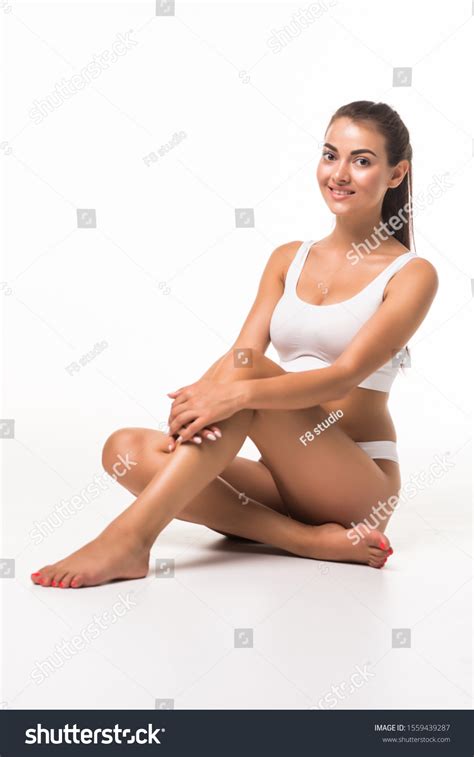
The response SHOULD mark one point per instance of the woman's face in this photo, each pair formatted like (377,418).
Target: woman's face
(366,175)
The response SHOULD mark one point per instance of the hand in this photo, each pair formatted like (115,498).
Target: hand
(212,433)
(198,405)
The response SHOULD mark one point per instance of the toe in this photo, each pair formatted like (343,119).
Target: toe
(66,581)
(35,577)
(58,577)
(46,577)
(77,582)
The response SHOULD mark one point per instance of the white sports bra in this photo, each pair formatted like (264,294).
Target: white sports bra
(310,336)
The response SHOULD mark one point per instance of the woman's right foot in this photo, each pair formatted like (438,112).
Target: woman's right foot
(332,541)
(114,554)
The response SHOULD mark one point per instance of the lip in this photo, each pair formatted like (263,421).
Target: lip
(340,197)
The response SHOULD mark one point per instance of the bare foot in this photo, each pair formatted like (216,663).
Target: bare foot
(332,541)
(115,553)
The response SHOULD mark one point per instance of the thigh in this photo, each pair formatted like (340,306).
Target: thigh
(324,479)
(253,479)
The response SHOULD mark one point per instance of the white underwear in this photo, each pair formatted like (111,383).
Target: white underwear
(384,450)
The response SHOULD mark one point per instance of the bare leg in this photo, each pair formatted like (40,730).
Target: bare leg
(122,550)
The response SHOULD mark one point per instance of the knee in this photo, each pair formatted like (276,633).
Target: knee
(121,442)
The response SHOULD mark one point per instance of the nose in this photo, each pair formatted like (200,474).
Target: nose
(341,176)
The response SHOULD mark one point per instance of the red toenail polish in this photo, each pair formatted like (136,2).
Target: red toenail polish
(61,585)
(53,583)
(36,574)
(73,583)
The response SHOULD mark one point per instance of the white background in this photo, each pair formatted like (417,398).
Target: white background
(167,279)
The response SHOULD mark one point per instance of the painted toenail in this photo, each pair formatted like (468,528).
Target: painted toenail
(74,583)
(53,583)
(61,585)
(36,574)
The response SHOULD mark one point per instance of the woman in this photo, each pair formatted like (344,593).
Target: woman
(340,313)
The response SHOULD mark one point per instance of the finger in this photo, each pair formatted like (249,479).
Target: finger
(187,433)
(216,430)
(182,420)
(208,433)
(176,392)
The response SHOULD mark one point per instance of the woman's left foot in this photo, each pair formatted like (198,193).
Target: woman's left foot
(114,554)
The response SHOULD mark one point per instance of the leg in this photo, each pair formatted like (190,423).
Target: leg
(121,549)
(216,505)
(124,551)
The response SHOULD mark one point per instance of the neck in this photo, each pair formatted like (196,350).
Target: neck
(350,231)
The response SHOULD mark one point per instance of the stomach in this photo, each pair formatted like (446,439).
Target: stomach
(366,416)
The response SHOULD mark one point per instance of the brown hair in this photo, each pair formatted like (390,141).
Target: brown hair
(397,144)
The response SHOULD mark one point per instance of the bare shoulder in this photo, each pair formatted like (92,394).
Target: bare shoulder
(418,276)
(284,254)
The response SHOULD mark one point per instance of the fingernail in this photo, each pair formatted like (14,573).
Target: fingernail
(217,433)
(197,439)
(170,447)
(179,439)
(211,436)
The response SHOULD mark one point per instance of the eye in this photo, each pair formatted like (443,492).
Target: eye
(367,162)
(327,153)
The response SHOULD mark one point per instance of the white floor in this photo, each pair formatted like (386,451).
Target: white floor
(314,624)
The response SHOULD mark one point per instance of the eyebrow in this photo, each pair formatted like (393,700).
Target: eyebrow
(353,152)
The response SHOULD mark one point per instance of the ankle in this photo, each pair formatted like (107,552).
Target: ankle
(120,530)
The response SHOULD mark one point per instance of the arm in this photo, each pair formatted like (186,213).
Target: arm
(255,332)
(409,295)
